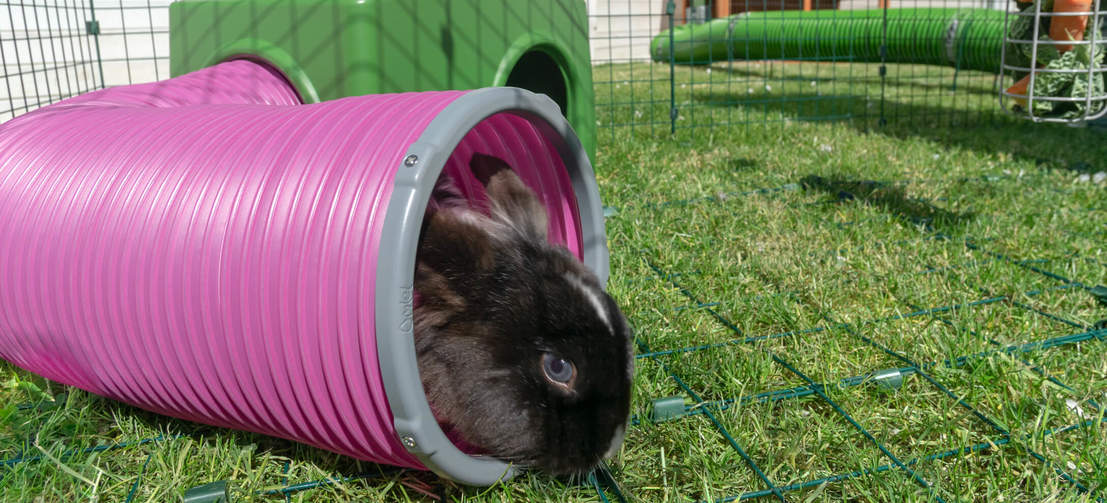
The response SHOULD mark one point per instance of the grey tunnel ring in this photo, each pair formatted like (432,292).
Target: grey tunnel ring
(415,176)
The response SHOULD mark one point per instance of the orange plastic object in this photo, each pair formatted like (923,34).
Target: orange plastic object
(1020,89)
(1064,28)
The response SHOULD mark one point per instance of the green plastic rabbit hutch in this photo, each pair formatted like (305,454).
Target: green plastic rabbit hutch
(331,49)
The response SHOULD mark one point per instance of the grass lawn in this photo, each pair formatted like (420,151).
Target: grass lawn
(773,259)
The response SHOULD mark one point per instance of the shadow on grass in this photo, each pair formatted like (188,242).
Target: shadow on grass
(81,427)
(988,129)
(890,198)
(739,164)
(940,79)
(84,427)
(341,469)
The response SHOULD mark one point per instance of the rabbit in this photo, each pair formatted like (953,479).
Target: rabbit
(521,353)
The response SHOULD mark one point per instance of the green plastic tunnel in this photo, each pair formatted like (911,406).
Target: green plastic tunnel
(964,38)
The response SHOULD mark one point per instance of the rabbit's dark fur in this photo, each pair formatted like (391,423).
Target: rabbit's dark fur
(500,311)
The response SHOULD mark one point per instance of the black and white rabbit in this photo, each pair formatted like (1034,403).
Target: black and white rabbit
(521,352)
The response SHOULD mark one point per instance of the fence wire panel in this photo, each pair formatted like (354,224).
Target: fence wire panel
(134,40)
(808,381)
(630,90)
(870,62)
(55,49)
(46,53)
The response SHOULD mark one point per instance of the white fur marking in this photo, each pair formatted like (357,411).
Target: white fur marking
(590,293)
(616,442)
(630,366)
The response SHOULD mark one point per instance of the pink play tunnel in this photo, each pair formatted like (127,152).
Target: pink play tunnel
(211,249)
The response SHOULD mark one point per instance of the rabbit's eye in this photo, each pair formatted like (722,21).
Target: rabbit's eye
(558,370)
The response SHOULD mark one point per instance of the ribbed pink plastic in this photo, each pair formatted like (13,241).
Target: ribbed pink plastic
(205,247)
(234,82)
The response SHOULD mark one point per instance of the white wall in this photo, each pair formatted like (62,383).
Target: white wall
(125,35)
(621,30)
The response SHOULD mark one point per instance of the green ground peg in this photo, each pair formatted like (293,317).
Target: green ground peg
(1100,293)
(665,409)
(888,380)
(214,492)
(59,401)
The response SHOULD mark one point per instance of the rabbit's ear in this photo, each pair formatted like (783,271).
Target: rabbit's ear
(456,243)
(512,202)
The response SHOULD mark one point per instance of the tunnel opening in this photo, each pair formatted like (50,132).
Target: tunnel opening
(538,72)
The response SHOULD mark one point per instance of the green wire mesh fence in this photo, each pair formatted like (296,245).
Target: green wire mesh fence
(922,60)
(869,62)
(46,54)
(55,49)
(904,433)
